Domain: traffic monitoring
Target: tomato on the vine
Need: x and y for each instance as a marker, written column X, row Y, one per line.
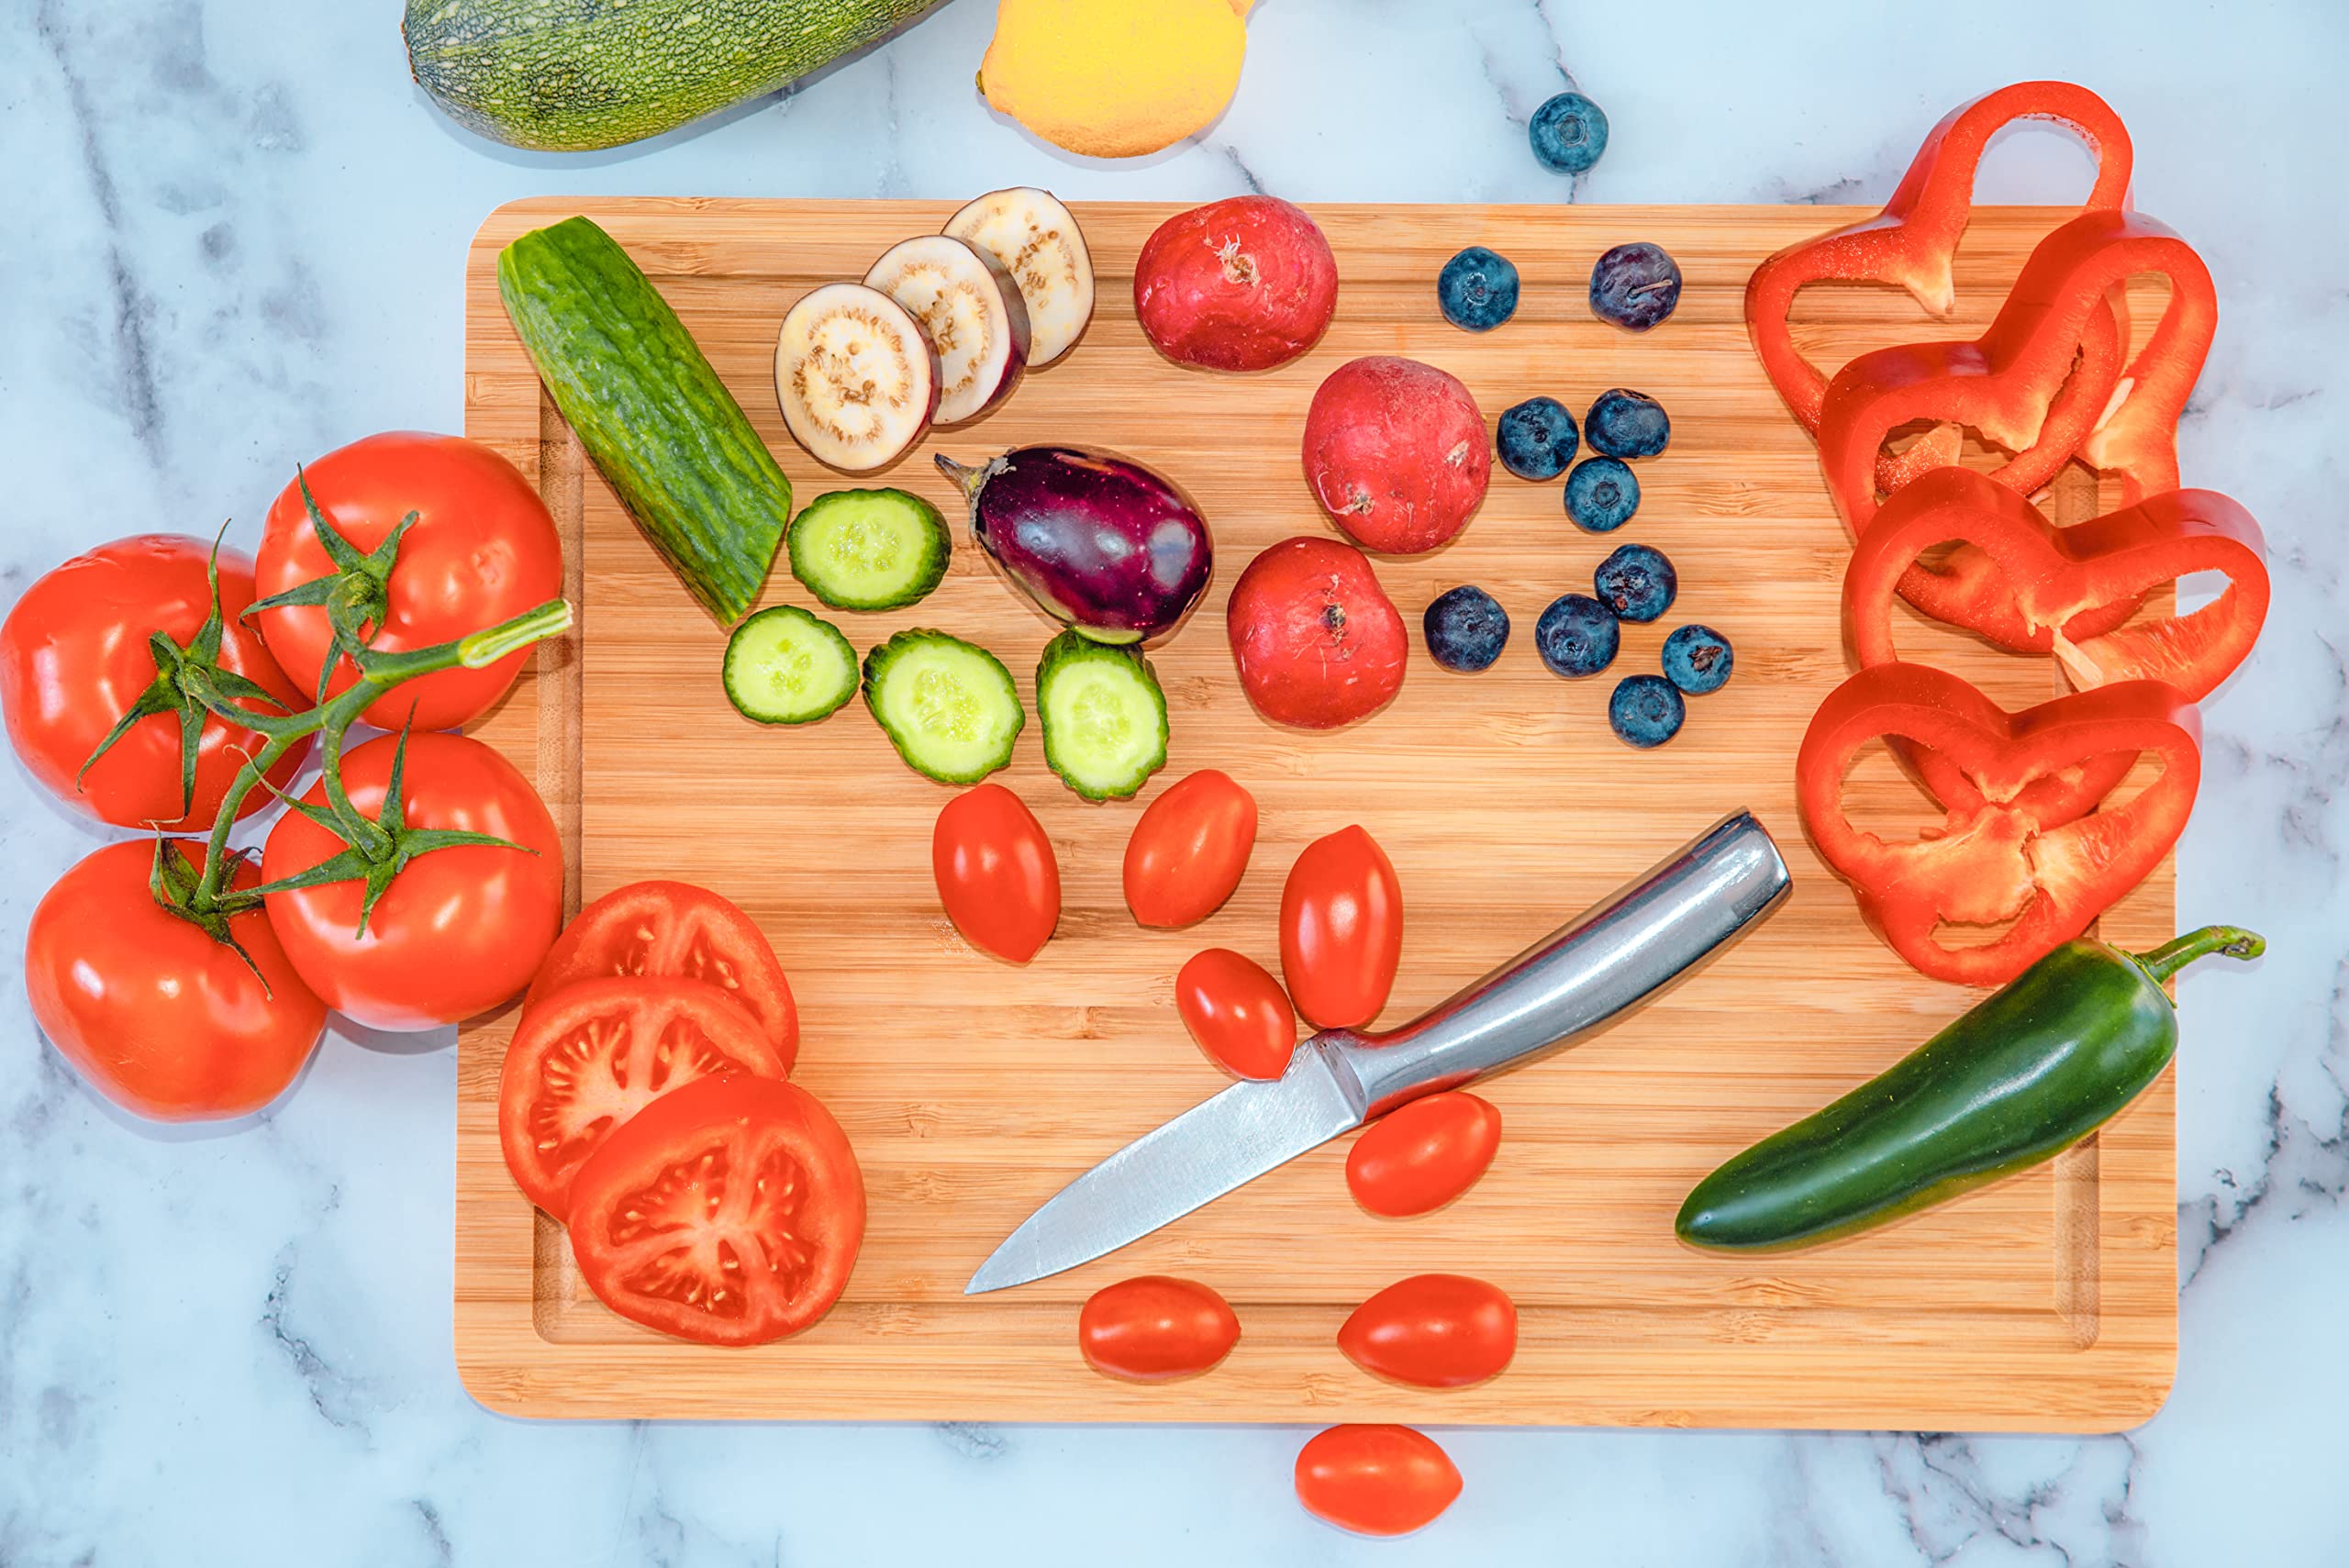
column 482, row 549
column 1423, row 1155
column 675, row 928
column 996, row 872
column 728, row 1211
column 1433, row 1331
column 1235, row 1011
column 457, row 930
column 1152, row 1328
column 1189, row 848
column 1341, row 930
column 159, row 1016
column 76, row 655
column 1376, row 1479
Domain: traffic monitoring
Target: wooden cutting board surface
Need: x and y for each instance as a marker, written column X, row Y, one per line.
column 974, row 1090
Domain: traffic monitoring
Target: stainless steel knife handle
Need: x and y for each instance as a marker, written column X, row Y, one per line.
column 1622, row 949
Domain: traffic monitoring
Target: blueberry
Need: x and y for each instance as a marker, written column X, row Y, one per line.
column 1601, row 493
column 1568, row 133
column 1637, row 581
column 1577, row 635
column 1466, row 630
column 1697, row 659
column 1537, row 439
column 1645, row 710
column 1623, row 422
column 1634, row 286
column 1477, row 289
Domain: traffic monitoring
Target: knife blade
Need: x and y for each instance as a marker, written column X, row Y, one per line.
column 1615, row 954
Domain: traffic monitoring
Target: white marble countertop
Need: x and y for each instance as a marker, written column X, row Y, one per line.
column 235, row 240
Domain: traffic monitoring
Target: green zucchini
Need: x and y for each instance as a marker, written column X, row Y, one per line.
column 786, row 666
column 568, row 75
column 869, row 550
column 946, row 706
column 651, row 412
column 1104, row 715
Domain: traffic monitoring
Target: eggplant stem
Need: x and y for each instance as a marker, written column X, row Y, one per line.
column 2226, row 942
column 967, row 479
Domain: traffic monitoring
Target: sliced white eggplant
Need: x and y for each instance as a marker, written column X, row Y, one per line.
column 970, row 309
column 1037, row 240
column 855, row 376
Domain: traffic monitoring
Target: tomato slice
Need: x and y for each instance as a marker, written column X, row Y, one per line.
column 593, row 1055
column 1424, row 1155
column 730, row 1212
column 674, row 928
column 1376, row 1479
column 1433, row 1331
column 1153, row 1328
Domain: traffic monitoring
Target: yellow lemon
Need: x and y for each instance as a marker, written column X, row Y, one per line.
column 1114, row 78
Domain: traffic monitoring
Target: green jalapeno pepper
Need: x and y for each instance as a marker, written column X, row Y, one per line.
column 2026, row 1074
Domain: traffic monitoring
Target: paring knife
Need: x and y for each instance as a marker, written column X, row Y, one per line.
column 1618, row 952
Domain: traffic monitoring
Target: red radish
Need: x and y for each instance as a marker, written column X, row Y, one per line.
column 1037, row 240
column 1240, row 285
column 855, row 376
column 1318, row 644
column 1397, row 453
column 971, row 312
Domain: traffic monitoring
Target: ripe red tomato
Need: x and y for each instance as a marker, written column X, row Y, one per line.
column 74, row 657
column 1189, row 848
column 591, row 1056
column 1375, row 1480
column 728, row 1211
column 674, row 928
column 1317, row 640
column 1433, row 1331
column 996, row 873
column 1154, row 1327
column 1341, row 930
column 481, row 550
column 159, row 1017
column 459, row 929
column 1236, row 1012
column 1423, row 1156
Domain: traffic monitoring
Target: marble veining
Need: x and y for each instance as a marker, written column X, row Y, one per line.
column 235, row 240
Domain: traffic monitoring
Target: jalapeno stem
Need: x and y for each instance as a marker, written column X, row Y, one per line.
column 2228, row 941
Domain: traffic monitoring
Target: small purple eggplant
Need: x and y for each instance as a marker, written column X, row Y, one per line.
column 1096, row 539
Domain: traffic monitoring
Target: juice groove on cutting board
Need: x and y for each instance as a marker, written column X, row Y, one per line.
column 973, row 1090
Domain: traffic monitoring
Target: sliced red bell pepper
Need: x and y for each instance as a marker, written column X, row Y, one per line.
column 1992, row 860
column 2029, row 587
column 2007, row 382
column 1912, row 242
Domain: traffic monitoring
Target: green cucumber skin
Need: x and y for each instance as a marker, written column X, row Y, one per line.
column 876, row 664
column 574, row 75
column 816, row 580
column 652, row 413
column 1071, row 647
column 745, row 710
column 2029, row 1072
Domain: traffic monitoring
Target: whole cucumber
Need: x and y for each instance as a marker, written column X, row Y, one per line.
column 569, row 76
column 2026, row 1074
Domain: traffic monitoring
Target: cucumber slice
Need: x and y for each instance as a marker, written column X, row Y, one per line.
column 946, row 706
column 1104, row 715
column 869, row 550
column 786, row 666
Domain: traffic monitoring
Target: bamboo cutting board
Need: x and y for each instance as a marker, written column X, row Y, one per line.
column 973, row 1090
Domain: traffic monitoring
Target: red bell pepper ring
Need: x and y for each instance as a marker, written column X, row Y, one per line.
column 1912, row 242
column 2007, row 382
column 1992, row 860
column 2031, row 587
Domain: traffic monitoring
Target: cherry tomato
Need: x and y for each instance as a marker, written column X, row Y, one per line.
column 459, row 929
column 1189, row 848
column 586, row 1058
column 1433, row 1331
column 728, row 1211
column 1424, row 1155
column 996, row 873
column 481, row 550
column 74, row 657
column 1375, row 1480
column 1236, row 1012
column 659, row 928
column 1153, row 1328
column 159, row 1017
column 1341, row 930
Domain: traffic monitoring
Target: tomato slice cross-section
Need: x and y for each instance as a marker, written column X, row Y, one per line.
column 673, row 929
